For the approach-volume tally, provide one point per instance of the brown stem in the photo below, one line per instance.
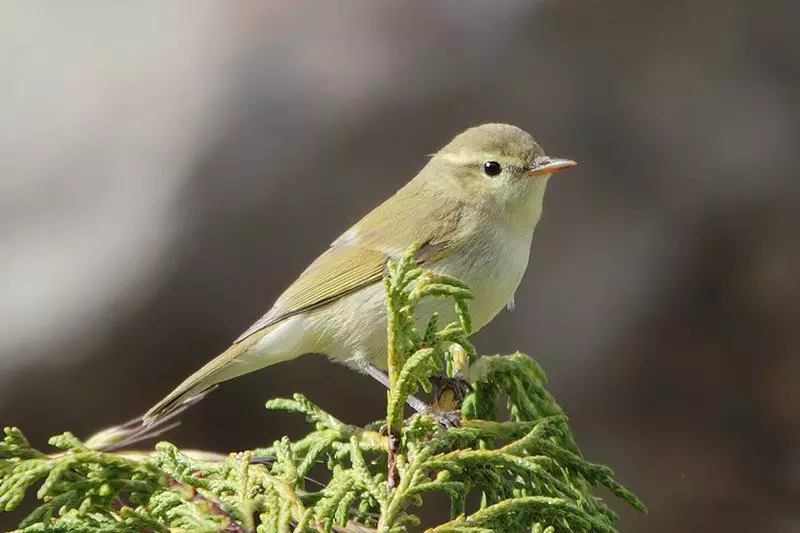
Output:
(393, 476)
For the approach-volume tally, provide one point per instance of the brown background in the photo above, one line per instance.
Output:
(168, 169)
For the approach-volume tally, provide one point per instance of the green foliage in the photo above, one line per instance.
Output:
(512, 469)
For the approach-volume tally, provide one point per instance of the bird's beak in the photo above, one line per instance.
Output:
(550, 165)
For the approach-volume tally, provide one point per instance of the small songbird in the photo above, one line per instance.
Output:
(473, 207)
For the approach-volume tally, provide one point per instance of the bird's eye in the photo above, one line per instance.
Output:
(492, 168)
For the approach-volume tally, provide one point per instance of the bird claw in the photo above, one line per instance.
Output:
(449, 392)
(446, 419)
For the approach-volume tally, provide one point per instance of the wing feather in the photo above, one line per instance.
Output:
(358, 258)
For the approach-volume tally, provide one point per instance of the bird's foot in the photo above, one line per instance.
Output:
(449, 392)
(446, 419)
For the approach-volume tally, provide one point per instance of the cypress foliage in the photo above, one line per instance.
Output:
(504, 470)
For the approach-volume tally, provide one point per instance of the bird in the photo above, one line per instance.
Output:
(473, 208)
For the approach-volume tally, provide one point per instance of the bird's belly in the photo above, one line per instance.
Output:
(353, 329)
(493, 271)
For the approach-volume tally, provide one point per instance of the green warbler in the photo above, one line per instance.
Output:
(474, 207)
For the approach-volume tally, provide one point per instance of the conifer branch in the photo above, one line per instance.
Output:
(525, 467)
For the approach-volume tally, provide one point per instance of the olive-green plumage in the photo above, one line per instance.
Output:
(474, 207)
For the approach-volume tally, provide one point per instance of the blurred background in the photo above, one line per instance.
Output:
(167, 169)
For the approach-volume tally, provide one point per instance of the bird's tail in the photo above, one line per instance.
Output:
(233, 362)
(228, 365)
(162, 417)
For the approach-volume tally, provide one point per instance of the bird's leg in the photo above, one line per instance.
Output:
(448, 393)
(381, 377)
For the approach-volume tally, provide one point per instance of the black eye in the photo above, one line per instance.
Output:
(492, 168)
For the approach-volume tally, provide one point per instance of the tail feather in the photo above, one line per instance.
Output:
(233, 362)
(222, 368)
(137, 430)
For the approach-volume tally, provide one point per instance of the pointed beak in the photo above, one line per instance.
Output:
(549, 165)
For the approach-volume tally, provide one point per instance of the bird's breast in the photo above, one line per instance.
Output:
(492, 265)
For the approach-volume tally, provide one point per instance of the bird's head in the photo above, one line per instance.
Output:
(495, 164)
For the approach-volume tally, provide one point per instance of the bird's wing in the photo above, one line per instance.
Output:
(358, 258)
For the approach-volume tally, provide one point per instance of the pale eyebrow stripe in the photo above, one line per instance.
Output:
(465, 159)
